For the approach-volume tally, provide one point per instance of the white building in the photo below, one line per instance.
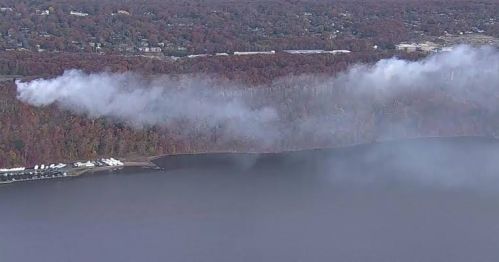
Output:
(255, 53)
(145, 48)
(425, 47)
(155, 49)
(42, 12)
(198, 55)
(335, 52)
(123, 12)
(317, 51)
(6, 9)
(304, 52)
(406, 47)
(76, 13)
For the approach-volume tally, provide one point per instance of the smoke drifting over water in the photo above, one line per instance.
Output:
(444, 94)
(415, 200)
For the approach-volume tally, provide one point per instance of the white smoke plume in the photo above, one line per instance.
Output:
(145, 102)
(393, 97)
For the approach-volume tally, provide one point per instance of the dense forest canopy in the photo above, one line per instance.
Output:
(43, 39)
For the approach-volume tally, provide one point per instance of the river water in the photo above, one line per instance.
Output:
(427, 200)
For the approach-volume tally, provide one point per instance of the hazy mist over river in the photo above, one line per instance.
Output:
(421, 200)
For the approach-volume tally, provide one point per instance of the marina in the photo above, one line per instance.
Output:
(54, 171)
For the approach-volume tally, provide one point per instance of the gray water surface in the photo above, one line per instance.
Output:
(361, 204)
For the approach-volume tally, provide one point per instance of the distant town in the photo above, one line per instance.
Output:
(169, 30)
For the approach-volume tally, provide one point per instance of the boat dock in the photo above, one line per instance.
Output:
(53, 171)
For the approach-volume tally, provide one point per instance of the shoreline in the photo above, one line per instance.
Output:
(297, 150)
(126, 164)
(176, 161)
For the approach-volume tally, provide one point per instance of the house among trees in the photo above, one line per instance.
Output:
(76, 13)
